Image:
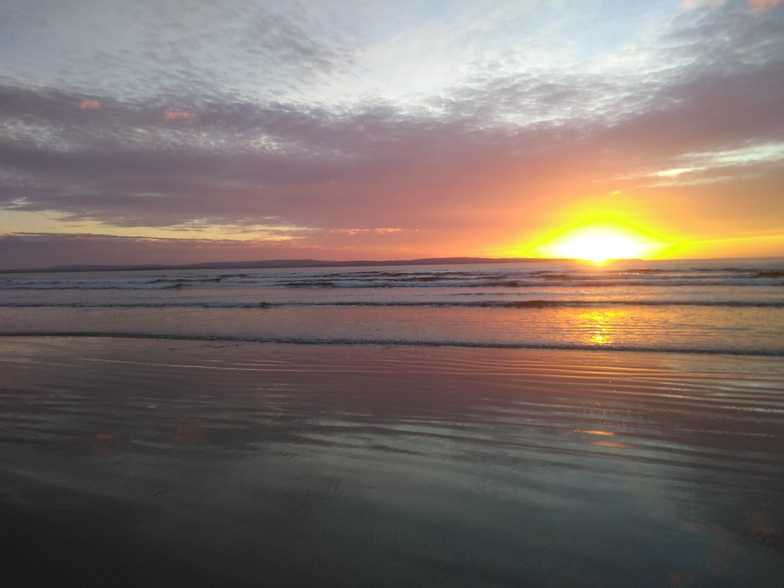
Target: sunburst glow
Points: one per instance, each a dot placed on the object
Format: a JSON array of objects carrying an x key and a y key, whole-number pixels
[{"x": 600, "y": 243}]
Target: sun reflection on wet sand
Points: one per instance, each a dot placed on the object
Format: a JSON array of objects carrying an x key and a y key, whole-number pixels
[
  {"x": 604, "y": 442},
  {"x": 595, "y": 432}
]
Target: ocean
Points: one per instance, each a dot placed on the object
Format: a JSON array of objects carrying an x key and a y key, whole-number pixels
[
  {"x": 541, "y": 424},
  {"x": 717, "y": 306}
]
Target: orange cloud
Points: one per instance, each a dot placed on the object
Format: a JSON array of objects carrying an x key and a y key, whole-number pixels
[
  {"x": 90, "y": 105},
  {"x": 176, "y": 114},
  {"x": 759, "y": 5},
  {"x": 755, "y": 5},
  {"x": 380, "y": 231}
]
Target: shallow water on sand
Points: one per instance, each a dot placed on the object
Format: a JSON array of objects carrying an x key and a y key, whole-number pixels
[
  {"x": 687, "y": 329},
  {"x": 166, "y": 463},
  {"x": 726, "y": 306}
]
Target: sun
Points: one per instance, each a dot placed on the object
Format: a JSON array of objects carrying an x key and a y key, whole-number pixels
[{"x": 599, "y": 244}]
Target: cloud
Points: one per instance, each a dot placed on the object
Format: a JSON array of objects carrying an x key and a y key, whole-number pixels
[
  {"x": 755, "y": 5},
  {"x": 31, "y": 250},
  {"x": 764, "y": 4},
  {"x": 482, "y": 155},
  {"x": 355, "y": 231},
  {"x": 720, "y": 166},
  {"x": 176, "y": 47},
  {"x": 178, "y": 114}
]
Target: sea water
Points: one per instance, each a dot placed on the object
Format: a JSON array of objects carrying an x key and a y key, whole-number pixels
[
  {"x": 718, "y": 306},
  {"x": 536, "y": 424}
]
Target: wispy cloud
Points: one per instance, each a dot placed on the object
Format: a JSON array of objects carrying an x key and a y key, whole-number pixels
[
  {"x": 178, "y": 115},
  {"x": 356, "y": 231},
  {"x": 756, "y": 5}
]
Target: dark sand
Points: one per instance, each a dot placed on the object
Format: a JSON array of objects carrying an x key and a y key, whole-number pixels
[{"x": 181, "y": 463}]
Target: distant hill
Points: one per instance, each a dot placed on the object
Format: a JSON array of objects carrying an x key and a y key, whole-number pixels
[{"x": 275, "y": 263}]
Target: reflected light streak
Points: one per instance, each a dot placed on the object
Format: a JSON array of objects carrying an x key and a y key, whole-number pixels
[
  {"x": 603, "y": 442},
  {"x": 596, "y": 432},
  {"x": 600, "y": 326},
  {"x": 613, "y": 444}
]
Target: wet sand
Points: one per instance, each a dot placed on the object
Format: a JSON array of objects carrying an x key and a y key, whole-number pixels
[{"x": 184, "y": 463}]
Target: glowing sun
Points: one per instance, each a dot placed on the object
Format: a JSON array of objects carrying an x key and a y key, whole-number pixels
[{"x": 600, "y": 243}]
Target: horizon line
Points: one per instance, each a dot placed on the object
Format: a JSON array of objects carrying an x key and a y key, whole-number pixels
[{"x": 303, "y": 263}]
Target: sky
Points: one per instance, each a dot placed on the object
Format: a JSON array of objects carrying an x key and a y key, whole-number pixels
[{"x": 182, "y": 131}]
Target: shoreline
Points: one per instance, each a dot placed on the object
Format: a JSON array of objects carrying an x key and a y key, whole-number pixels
[{"x": 384, "y": 343}]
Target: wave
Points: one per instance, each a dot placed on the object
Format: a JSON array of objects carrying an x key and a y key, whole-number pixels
[
  {"x": 549, "y": 282},
  {"x": 158, "y": 285},
  {"x": 520, "y": 304},
  {"x": 364, "y": 280},
  {"x": 770, "y": 273},
  {"x": 398, "y": 342},
  {"x": 465, "y": 284}
]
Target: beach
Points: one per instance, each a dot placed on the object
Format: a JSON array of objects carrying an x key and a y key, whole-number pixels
[
  {"x": 172, "y": 462},
  {"x": 378, "y": 294}
]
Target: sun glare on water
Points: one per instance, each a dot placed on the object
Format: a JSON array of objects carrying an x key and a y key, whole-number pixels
[{"x": 599, "y": 244}]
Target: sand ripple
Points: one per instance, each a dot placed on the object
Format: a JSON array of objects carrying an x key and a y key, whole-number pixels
[{"x": 392, "y": 466}]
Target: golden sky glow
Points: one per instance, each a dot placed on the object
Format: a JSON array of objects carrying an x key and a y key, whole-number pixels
[{"x": 598, "y": 243}]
